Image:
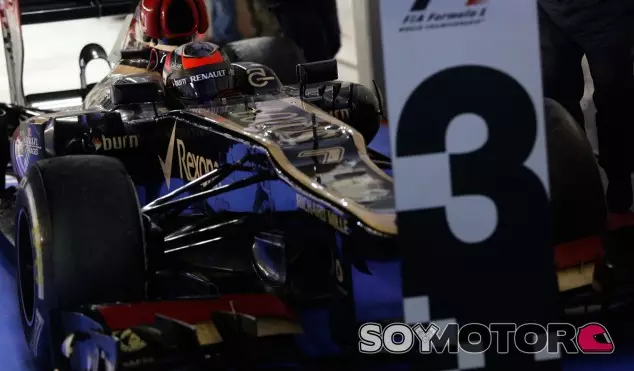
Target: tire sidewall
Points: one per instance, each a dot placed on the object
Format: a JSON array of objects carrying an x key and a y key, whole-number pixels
[
  {"x": 67, "y": 274},
  {"x": 574, "y": 178},
  {"x": 31, "y": 204}
]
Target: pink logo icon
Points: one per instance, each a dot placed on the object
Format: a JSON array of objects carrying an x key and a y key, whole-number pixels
[{"x": 594, "y": 338}]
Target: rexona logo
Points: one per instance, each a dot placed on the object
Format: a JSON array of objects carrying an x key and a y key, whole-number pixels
[
  {"x": 191, "y": 166},
  {"x": 433, "y": 14},
  {"x": 105, "y": 143},
  {"x": 530, "y": 338}
]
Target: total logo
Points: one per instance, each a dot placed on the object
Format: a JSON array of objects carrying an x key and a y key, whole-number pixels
[
  {"x": 545, "y": 342},
  {"x": 190, "y": 165},
  {"x": 434, "y": 14}
]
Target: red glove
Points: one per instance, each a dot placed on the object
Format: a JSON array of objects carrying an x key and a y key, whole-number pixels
[{"x": 167, "y": 19}]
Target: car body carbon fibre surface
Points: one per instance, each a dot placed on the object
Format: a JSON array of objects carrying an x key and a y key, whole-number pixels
[
  {"x": 276, "y": 124},
  {"x": 272, "y": 162},
  {"x": 214, "y": 180},
  {"x": 273, "y": 165}
]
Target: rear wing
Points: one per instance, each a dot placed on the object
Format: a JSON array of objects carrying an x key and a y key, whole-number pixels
[{"x": 15, "y": 13}]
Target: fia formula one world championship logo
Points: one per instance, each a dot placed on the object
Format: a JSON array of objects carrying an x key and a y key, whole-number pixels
[
  {"x": 420, "y": 5},
  {"x": 433, "y": 14}
]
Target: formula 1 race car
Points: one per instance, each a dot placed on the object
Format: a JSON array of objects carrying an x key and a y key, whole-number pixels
[
  {"x": 151, "y": 234},
  {"x": 247, "y": 205},
  {"x": 265, "y": 192}
]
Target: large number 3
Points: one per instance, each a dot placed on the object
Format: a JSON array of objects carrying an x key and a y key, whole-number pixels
[{"x": 519, "y": 242}]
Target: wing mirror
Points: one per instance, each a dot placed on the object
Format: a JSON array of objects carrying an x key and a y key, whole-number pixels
[
  {"x": 316, "y": 72},
  {"x": 136, "y": 93},
  {"x": 89, "y": 53},
  {"x": 142, "y": 53}
]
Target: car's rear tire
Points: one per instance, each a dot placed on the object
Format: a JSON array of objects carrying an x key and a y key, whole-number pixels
[
  {"x": 578, "y": 202},
  {"x": 79, "y": 239},
  {"x": 280, "y": 54},
  {"x": 365, "y": 116}
]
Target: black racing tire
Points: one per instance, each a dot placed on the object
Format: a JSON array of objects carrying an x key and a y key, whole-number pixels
[
  {"x": 365, "y": 110},
  {"x": 79, "y": 240},
  {"x": 280, "y": 54},
  {"x": 578, "y": 202}
]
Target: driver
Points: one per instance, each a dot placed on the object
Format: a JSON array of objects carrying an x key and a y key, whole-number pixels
[{"x": 198, "y": 72}]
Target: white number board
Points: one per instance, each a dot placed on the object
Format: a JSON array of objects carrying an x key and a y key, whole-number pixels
[{"x": 466, "y": 119}]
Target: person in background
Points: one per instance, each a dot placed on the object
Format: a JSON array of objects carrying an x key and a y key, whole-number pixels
[
  {"x": 224, "y": 21},
  {"x": 600, "y": 30},
  {"x": 233, "y": 20},
  {"x": 312, "y": 24}
]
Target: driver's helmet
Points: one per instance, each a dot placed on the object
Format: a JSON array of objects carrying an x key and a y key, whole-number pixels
[{"x": 198, "y": 71}]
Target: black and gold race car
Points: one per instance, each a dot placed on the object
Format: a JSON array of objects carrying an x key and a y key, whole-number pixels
[
  {"x": 226, "y": 234},
  {"x": 199, "y": 217}
]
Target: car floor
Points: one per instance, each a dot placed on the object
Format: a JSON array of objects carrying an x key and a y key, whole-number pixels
[{"x": 51, "y": 65}]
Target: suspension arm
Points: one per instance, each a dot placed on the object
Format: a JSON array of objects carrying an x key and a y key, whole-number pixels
[{"x": 182, "y": 203}]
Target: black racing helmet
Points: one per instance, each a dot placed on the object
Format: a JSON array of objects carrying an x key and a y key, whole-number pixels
[{"x": 198, "y": 71}]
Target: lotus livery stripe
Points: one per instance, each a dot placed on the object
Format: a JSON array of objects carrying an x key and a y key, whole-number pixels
[{"x": 291, "y": 124}]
